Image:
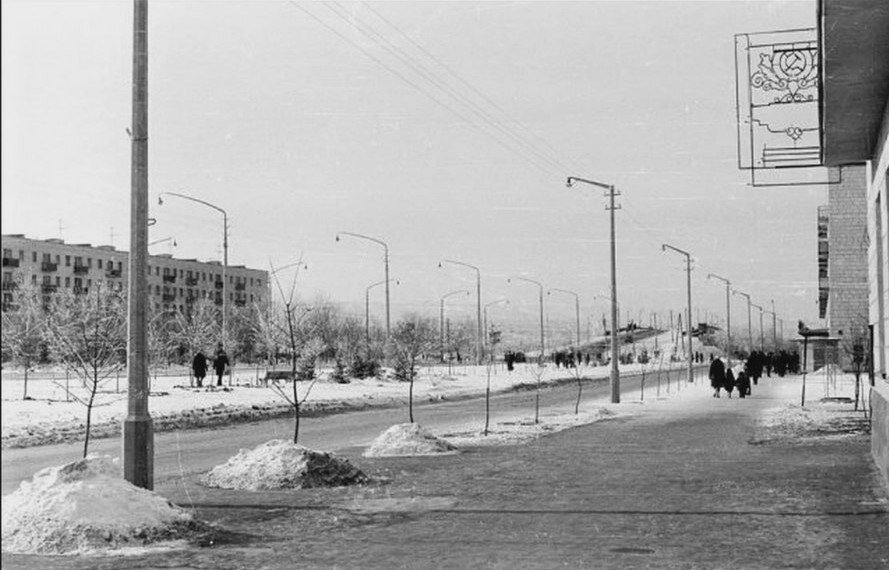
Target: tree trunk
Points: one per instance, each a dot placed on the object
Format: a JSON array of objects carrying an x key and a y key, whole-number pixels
[
  {"x": 857, "y": 384},
  {"x": 410, "y": 400},
  {"x": 537, "y": 404},
  {"x": 89, "y": 415},
  {"x": 579, "y": 391},
  {"x": 25, "y": 394},
  {"x": 488, "y": 401}
]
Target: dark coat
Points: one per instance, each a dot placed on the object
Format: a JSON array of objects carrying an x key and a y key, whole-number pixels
[
  {"x": 199, "y": 365},
  {"x": 717, "y": 373},
  {"x": 743, "y": 383},
  {"x": 729, "y": 383},
  {"x": 220, "y": 362}
]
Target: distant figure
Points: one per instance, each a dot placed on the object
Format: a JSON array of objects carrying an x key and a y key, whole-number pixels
[
  {"x": 743, "y": 383},
  {"x": 729, "y": 383},
  {"x": 199, "y": 367},
  {"x": 220, "y": 363},
  {"x": 717, "y": 376}
]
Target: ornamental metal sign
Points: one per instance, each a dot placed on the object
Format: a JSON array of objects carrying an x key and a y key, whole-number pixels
[{"x": 778, "y": 96}]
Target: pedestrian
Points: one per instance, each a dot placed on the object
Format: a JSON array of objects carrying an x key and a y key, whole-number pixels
[
  {"x": 729, "y": 383},
  {"x": 717, "y": 376},
  {"x": 743, "y": 382},
  {"x": 220, "y": 363},
  {"x": 199, "y": 367}
]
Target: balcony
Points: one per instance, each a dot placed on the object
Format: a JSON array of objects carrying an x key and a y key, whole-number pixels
[
  {"x": 169, "y": 278},
  {"x": 113, "y": 273},
  {"x": 10, "y": 262},
  {"x": 169, "y": 297},
  {"x": 81, "y": 269},
  {"x": 240, "y": 302},
  {"x": 49, "y": 266},
  {"x": 49, "y": 288},
  {"x": 10, "y": 286},
  {"x": 218, "y": 300},
  {"x": 240, "y": 286},
  {"x": 80, "y": 290},
  {"x": 191, "y": 281},
  {"x": 219, "y": 284}
]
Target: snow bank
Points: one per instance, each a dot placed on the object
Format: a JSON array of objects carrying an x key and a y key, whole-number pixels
[
  {"x": 280, "y": 464},
  {"x": 792, "y": 422},
  {"x": 85, "y": 506},
  {"x": 514, "y": 433},
  {"x": 408, "y": 439}
]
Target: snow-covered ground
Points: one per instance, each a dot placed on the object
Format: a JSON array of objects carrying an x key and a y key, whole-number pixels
[{"x": 48, "y": 417}]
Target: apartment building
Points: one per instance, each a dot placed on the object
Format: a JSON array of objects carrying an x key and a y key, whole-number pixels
[{"x": 173, "y": 284}]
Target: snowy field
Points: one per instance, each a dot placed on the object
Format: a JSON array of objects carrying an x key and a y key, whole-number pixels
[{"x": 49, "y": 417}]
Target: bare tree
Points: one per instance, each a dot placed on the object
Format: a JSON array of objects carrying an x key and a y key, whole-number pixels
[
  {"x": 577, "y": 371},
  {"x": 23, "y": 330},
  {"x": 412, "y": 338},
  {"x": 855, "y": 346},
  {"x": 196, "y": 329},
  {"x": 87, "y": 334},
  {"x": 494, "y": 338},
  {"x": 536, "y": 371}
]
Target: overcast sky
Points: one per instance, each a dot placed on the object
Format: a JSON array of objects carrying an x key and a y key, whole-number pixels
[{"x": 302, "y": 120}]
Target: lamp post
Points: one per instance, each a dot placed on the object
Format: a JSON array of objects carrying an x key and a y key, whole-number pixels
[
  {"x": 137, "y": 430},
  {"x": 749, "y": 325},
  {"x": 160, "y": 201},
  {"x": 761, "y": 337},
  {"x": 774, "y": 332},
  {"x": 367, "y": 308},
  {"x": 688, "y": 326},
  {"x": 615, "y": 371},
  {"x": 485, "y": 312},
  {"x": 576, "y": 308},
  {"x": 478, "y": 299},
  {"x": 540, "y": 286},
  {"x": 728, "y": 316},
  {"x": 386, "y": 262},
  {"x": 441, "y": 317}
]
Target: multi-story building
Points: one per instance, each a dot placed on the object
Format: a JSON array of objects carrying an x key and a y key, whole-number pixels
[{"x": 173, "y": 284}]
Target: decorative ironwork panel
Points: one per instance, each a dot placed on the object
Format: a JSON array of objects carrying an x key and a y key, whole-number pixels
[{"x": 778, "y": 96}]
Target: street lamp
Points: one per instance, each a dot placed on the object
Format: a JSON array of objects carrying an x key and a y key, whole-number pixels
[
  {"x": 441, "y": 317},
  {"x": 728, "y": 316},
  {"x": 367, "y": 308},
  {"x": 615, "y": 371},
  {"x": 749, "y": 325},
  {"x": 540, "y": 285},
  {"x": 386, "y": 262},
  {"x": 761, "y": 337},
  {"x": 576, "y": 308},
  {"x": 688, "y": 326},
  {"x": 485, "y": 311},
  {"x": 478, "y": 298},
  {"x": 774, "y": 331},
  {"x": 160, "y": 201}
]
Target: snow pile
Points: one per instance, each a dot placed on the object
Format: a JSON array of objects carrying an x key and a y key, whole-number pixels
[
  {"x": 280, "y": 464},
  {"x": 795, "y": 423},
  {"x": 86, "y": 506},
  {"x": 514, "y": 433},
  {"x": 408, "y": 439}
]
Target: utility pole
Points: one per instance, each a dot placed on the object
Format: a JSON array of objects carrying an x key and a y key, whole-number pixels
[
  {"x": 688, "y": 326},
  {"x": 774, "y": 330},
  {"x": 728, "y": 316},
  {"x": 478, "y": 299},
  {"x": 611, "y": 207},
  {"x": 761, "y": 337},
  {"x": 138, "y": 431}
]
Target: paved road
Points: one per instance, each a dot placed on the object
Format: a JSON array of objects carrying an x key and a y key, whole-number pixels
[{"x": 192, "y": 451}]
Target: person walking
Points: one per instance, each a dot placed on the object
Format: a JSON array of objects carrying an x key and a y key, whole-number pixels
[
  {"x": 729, "y": 383},
  {"x": 743, "y": 383},
  {"x": 717, "y": 376},
  {"x": 199, "y": 367},
  {"x": 220, "y": 363}
]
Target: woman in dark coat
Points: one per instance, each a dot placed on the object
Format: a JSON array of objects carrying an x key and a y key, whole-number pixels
[
  {"x": 729, "y": 383},
  {"x": 199, "y": 367},
  {"x": 717, "y": 376}
]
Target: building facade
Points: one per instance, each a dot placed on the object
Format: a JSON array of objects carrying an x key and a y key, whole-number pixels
[
  {"x": 173, "y": 284},
  {"x": 854, "y": 39}
]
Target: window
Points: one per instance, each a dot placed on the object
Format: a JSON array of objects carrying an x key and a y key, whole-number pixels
[
  {"x": 34, "y": 256},
  {"x": 58, "y": 260},
  {"x": 251, "y": 297},
  {"x": 78, "y": 282},
  {"x": 259, "y": 282},
  {"x": 67, "y": 281},
  {"x": 203, "y": 276},
  {"x": 189, "y": 274},
  {"x": 7, "y": 253},
  {"x": 166, "y": 270},
  {"x": 203, "y": 294},
  {"x": 47, "y": 258},
  {"x": 180, "y": 292},
  {"x": 100, "y": 264},
  {"x": 231, "y": 279},
  {"x": 89, "y": 262},
  {"x": 47, "y": 280},
  {"x": 21, "y": 255},
  {"x": 157, "y": 289},
  {"x": 34, "y": 277},
  {"x": 181, "y": 273},
  {"x": 67, "y": 261},
  {"x": 78, "y": 261},
  {"x": 149, "y": 271},
  {"x": 7, "y": 276},
  {"x": 251, "y": 282},
  {"x": 89, "y": 283},
  {"x": 157, "y": 271},
  {"x": 58, "y": 280}
]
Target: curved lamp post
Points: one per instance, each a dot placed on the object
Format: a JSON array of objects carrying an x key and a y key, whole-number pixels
[
  {"x": 615, "y": 371},
  {"x": 749, "y": 325},
  {"x": 478, "y": 298},
  {"x": 761, "y": 336},
  {"x": 688, "y": 321},
  {"x": 386, "y": 262},
  {"x": 441, "y": 316},
  {"x": 540, "y": 286},
  {"x": 160, "y": 201},
  {"x": 728, "y": 316},
  {"x": 576, "y": 308}
]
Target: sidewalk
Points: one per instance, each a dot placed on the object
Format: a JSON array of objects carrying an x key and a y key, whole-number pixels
[{"x": 675, "y": 483}]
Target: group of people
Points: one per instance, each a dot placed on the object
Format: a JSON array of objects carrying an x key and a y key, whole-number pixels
[
  {"x": 200, "y": 363},
  {"x": 726, "y": 378}
]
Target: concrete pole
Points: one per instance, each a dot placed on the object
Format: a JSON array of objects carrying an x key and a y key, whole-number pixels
[
  {"x": 774, "y": 330},
  {"x": 138, "y": 432},
  {"x": 388, "y": 327},
  {"x": 728, "y": 316}
]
